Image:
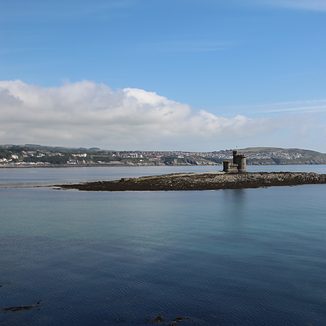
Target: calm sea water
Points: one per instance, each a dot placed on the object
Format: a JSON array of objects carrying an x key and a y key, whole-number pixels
[{"x": 227, "y": 257}]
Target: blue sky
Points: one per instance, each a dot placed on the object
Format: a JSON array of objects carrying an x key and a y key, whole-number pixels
[{"x": 258, "y": 59}]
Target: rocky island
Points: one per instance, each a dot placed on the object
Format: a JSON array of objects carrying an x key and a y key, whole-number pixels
[
  {"x": 234, "y": 176},
  {"x": 203, "y": 181}
]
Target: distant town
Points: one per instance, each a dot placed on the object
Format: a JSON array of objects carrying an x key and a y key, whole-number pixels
[{"x": 31, "y": 155}]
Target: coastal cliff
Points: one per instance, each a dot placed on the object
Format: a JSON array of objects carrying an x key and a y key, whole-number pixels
[{"x": 202, "y": 181}]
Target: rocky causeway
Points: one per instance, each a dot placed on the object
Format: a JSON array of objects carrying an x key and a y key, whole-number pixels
[{"x": 202, "y": 181}]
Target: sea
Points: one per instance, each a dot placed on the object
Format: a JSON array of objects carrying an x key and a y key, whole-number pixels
[{"x": 250, "y": 257}]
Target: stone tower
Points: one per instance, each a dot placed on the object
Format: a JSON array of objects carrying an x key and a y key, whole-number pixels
[{"x": 238, "y": 164}]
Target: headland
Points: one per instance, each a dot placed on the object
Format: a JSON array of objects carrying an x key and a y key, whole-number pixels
[{"x": 38, "y": 156}]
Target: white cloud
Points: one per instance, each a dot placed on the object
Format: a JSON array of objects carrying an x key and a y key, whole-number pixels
[
  {"x": 91, "y": 114},
  {"x": 311, "y": 106}
]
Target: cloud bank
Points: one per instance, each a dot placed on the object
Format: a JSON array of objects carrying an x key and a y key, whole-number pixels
[{"x": 90, "y": 114}]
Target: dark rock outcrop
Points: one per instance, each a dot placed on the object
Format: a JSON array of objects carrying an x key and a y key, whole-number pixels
[
  {"x": 21, "y": 308},
  {"x": 157, "y": 320}
]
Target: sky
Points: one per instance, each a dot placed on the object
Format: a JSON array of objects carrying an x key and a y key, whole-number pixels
[{"x": 197, "y": 75}]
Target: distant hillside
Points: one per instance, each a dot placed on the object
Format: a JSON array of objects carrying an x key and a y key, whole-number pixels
[
  {"x": 271, "y": 155},
  {"x": 37, "y": 155}
]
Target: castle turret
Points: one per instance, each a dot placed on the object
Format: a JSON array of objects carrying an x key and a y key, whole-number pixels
[
  {"x": 235, "y": 154},
  {"x": 242, "y": 166}
]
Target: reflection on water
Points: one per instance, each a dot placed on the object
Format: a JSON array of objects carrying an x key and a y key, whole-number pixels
[{"x": 236, "y": 208}]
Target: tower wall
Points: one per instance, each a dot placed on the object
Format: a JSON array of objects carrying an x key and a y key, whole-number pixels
[
  {"x": 226, "y": 166},
  {"x": 242, "y": 166},
  {"x": 235, "y": 155}
]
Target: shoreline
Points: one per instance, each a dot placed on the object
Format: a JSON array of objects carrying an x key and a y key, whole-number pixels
[
  {"x": 30, "y": 166},
  {"x": 201, "y": 181}
]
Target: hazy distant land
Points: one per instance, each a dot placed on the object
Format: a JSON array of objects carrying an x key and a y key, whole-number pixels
[{"x": 46, "y": 156}]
